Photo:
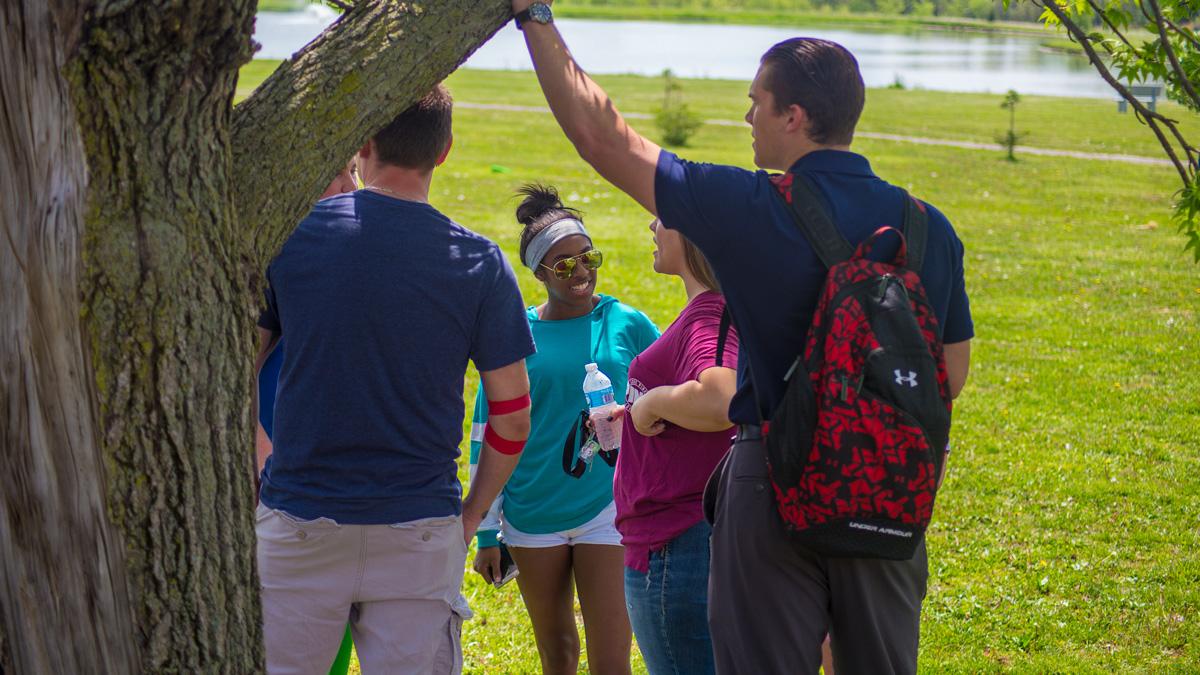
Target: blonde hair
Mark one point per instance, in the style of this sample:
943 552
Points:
698 265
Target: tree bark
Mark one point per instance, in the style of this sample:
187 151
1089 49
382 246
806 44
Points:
301 125
169 315
63 601
126 346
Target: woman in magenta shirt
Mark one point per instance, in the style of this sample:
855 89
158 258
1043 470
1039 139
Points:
677 430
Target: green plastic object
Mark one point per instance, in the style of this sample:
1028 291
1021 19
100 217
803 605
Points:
497 168
341 665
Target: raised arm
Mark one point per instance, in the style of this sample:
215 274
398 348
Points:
508 430
587 115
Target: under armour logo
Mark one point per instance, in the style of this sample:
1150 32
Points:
910 379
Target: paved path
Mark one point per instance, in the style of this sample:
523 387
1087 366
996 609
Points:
969 145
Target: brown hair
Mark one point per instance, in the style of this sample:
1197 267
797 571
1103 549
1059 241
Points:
540 208
416 138
823 78
698 265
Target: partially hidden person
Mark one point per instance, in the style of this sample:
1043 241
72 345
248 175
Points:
268 380
382 301
772 599
676 431
558 527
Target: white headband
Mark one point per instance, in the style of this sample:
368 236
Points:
543 241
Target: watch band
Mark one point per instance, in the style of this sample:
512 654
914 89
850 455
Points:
527 14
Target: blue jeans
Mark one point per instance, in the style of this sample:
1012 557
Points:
668 607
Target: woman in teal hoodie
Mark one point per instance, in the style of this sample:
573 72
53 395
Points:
559 527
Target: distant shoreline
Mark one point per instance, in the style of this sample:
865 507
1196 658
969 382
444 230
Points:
766 18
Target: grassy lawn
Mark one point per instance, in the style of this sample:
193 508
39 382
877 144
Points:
1066 536
281 5
1088 125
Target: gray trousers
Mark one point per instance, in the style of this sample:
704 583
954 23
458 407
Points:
771 601
398 586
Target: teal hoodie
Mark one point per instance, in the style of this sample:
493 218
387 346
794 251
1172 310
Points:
540 497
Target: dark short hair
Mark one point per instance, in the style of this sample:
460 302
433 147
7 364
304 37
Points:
417 137
823 78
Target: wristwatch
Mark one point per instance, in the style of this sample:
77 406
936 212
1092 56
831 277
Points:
538 12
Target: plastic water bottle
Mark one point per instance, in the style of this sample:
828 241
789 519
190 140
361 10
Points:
602 402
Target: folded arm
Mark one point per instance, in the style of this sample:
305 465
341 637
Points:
699 405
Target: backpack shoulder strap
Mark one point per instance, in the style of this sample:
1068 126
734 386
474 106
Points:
722 334
806 208
916 231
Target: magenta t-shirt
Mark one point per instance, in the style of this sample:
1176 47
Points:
660 479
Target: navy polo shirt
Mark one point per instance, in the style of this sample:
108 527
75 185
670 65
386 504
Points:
770 275
381 303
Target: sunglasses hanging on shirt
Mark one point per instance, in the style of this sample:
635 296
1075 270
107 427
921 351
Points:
582 447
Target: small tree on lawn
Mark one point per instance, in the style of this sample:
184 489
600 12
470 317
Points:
674 120
1010 139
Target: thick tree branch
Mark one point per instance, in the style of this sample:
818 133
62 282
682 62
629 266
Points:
299 128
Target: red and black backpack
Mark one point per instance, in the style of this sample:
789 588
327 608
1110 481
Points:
857 444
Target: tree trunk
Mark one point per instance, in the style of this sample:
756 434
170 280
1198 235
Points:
302 124
63 601
170 321
168 286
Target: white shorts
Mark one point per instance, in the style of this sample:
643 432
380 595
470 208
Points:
599 530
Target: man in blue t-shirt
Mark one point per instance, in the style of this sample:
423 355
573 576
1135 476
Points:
771 601
382 301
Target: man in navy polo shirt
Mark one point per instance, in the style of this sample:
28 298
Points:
771 601
382 300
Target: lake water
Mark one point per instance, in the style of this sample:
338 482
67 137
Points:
945 61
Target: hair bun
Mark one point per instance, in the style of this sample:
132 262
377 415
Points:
538 200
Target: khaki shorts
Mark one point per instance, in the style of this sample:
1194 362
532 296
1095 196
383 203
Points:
398 586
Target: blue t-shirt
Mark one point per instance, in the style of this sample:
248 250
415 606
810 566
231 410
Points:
268 382
770 275
382 303
540 497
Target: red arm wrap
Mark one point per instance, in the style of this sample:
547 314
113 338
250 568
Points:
501 444
512 405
